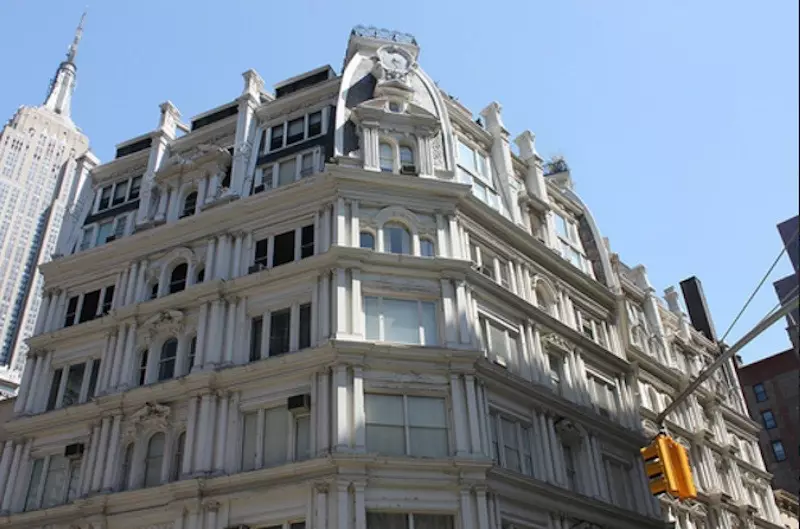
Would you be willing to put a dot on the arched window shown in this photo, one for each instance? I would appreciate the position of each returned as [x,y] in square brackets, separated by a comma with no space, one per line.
[386,158]
[545,301]
[192,353]
[396,238]
[426,248]
[177,279]
[200,276]
[177,460]
[154,291]
[407,165]
[142,367]
[166,364]
[127,465]
[367,240]
[189,204]
[154,460]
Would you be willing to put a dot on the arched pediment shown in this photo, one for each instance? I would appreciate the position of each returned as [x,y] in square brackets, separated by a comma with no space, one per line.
[168,322]
[398,213]
[151,417]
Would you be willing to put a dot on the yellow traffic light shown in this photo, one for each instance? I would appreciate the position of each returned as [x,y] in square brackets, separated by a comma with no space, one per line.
[668,470]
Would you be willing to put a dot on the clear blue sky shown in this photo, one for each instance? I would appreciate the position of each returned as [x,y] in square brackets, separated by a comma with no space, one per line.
[679,119]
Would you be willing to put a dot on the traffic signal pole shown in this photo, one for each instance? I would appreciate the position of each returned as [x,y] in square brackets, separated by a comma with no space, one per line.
[726,354]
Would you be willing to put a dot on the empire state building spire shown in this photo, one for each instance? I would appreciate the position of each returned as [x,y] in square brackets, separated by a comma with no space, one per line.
[59,99]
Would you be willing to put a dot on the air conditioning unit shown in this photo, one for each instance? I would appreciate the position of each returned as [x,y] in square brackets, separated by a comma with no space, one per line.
[111,238]
[299,403]
[74,451]
[408,170]
[255,268]
[258,189]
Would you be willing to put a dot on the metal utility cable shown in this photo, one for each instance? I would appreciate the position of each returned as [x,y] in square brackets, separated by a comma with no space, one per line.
[760,284]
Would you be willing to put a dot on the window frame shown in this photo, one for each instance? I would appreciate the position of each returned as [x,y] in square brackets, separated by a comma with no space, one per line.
[511,360]
[422,336]
[523,432]
[760,396]
[407,443]
[782,449]
[261,433]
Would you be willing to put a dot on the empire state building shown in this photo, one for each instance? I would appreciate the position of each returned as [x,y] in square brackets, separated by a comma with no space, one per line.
[38,147]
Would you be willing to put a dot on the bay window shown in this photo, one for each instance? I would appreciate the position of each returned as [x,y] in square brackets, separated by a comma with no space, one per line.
[285,437]
[400,320]
[403,425]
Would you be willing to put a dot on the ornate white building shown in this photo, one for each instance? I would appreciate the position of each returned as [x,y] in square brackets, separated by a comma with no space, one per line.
[347,304]
[38,146]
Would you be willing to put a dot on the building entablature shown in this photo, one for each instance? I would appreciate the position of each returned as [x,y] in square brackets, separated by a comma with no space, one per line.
[286,107]
[538,493]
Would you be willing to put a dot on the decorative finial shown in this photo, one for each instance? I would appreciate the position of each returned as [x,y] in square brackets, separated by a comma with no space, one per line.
[73,48]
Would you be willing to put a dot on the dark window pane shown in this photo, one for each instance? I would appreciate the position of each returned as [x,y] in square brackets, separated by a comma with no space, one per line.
[136,185]
[279,326]
[276,138]
[192,352]
[166,364]
[261,252]
[315,123]
[296,132]
[51,399]
[367,240]
[284,248]
[72,389]
[143,368]
[305,326]
[108,299]
[154,291]
[93,378]
[177,279]
[189,204]
[105,198]
[255,338]
[201,275]
[72,306]
[120,193]
[307,241]
[89,308]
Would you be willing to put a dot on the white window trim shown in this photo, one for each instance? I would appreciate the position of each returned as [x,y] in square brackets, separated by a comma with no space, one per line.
[291,429]
[497,416]
[273,168]
[396,144]
[406,426]
[266,149]
[41,486]
[298,240]
[294,327]
[510,363]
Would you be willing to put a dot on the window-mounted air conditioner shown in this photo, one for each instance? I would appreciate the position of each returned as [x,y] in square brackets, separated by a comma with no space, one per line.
[299,403]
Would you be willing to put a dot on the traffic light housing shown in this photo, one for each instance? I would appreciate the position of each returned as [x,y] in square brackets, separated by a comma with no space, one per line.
[668,469]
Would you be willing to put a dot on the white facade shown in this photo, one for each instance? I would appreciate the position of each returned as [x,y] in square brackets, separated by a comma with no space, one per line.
[345,305]
[37,148]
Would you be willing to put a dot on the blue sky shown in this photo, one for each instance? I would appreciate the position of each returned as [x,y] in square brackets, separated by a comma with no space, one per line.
[679,119]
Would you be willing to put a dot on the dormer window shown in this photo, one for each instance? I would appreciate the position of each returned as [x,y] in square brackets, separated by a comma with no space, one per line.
[105,198]
[315,124]
[394,106]
[276,137]
[407,165]
[120,193]
[296,131]
[396,158]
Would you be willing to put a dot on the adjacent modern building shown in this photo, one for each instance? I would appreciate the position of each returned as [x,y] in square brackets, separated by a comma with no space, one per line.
[773,396]
[38,147]
[348,303]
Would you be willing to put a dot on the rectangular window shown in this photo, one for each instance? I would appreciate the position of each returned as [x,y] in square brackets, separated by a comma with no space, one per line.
[604,395]
[286,171]
[562,226]
[510,444]
[275,436]
[619,484]
[307,241]
[504,273]
[778,451]
[262,252]
[284,248]
[760,392]
[72,307]
[284,437]
[89,308]
[279,331]
[32,497]
[276,137]
[54,385]
[120,193]
[56,482]
[86,238]
[569,467]
[385,520]
[296,131]
[95,373]
[136,185]
[307,165]
[105,198]
[72,390]
[305,326]
[256,329]
[769,419]
[405,425]
[400,320]
[119,227]
[500,342]
[108,299]
[302,437]
[315,124]
[249,441]
[104,230]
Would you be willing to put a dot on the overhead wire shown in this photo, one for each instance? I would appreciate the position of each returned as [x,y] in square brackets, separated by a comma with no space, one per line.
[758,287]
